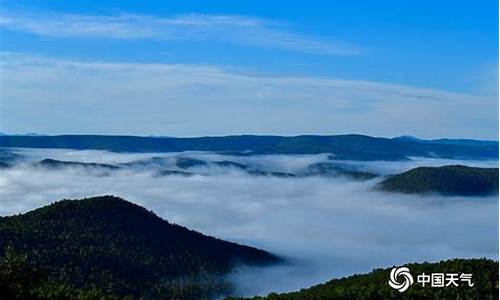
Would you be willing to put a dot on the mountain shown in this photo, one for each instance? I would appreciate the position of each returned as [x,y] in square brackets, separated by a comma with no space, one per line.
[186,163]
[167,167]
[7,156]
[231,164]
[57,164]
[174,172]
[154,161]
[374,285]
[330,169]
[447,180]
[4,165]
[408,138]
[110,246]
[462,142]
[344,147]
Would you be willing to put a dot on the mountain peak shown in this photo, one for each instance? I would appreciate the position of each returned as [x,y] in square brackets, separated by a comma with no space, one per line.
[106,240]
[407,138]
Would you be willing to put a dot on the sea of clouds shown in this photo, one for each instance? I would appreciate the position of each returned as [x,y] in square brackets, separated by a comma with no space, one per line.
[326,227]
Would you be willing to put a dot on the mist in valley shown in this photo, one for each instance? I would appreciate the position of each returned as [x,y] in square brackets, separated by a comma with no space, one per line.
[325,226]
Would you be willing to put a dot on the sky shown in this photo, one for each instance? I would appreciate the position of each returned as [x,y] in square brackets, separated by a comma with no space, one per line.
[195,68]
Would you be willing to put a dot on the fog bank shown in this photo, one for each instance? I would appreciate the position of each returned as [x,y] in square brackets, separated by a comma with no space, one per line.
[327,227]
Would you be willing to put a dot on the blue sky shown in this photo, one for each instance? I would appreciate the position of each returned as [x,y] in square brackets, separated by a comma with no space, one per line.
[427,68]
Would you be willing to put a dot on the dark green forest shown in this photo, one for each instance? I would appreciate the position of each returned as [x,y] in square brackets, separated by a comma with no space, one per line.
[374,285]
[455,180]
[106,246]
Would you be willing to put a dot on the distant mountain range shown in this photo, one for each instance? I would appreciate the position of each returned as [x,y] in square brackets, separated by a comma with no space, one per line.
[60,164]
[186,166]
[343,147]
[107,246]
[453,180]
[450,180]
[447,141]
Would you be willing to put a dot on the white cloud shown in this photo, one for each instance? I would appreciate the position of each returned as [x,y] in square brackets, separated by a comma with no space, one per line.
[63,96]
[333,227]
[227,28]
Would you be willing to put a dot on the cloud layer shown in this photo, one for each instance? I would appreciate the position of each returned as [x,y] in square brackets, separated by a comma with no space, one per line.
[234,29]
[328,227]
[64,96]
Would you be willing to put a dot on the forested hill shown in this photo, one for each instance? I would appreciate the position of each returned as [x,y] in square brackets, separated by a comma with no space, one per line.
[374,285]
[454,180]
[351,147]
[114,247]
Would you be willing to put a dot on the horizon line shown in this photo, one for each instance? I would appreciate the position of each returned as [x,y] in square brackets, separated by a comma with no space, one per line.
[404,136]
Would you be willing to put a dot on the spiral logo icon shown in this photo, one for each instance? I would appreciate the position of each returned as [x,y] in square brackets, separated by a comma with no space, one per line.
[397,273]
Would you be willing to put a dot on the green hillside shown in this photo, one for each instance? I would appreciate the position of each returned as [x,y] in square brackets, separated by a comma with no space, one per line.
[447,180]
[110,246]
[374,285]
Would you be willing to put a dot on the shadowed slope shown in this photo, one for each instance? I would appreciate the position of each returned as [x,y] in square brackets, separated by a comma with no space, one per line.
[447,180]
[111,244]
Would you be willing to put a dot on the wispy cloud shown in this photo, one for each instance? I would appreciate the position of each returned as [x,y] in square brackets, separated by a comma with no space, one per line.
[226,28]
[167,99]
